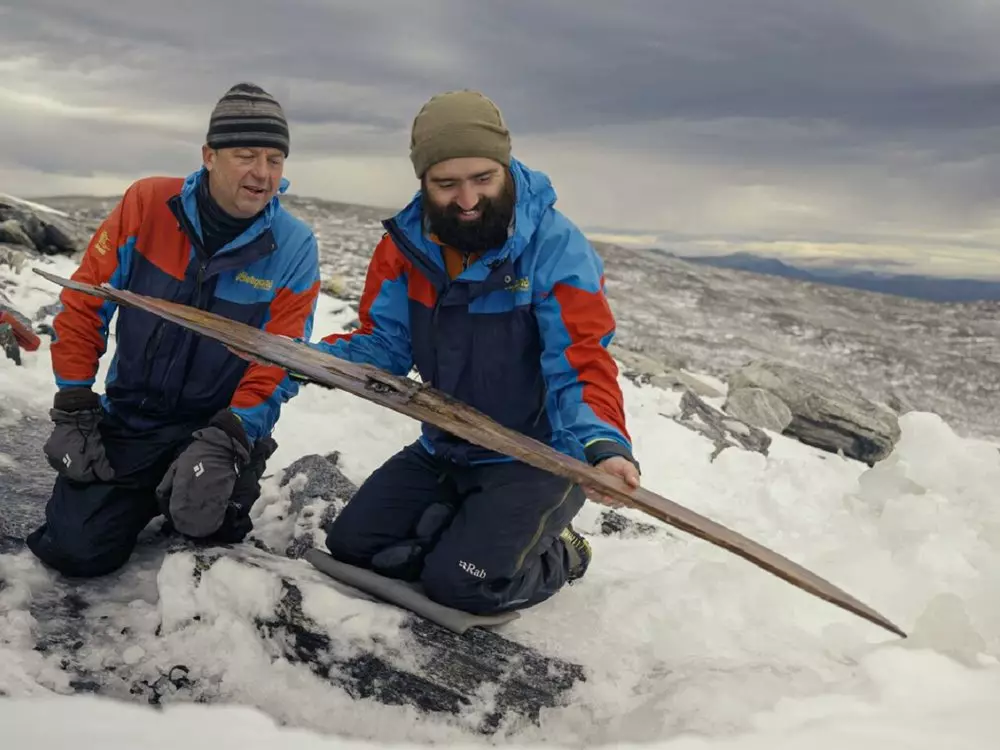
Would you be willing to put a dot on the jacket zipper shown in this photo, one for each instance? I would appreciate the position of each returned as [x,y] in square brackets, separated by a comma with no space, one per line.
[195,301]
[404,244]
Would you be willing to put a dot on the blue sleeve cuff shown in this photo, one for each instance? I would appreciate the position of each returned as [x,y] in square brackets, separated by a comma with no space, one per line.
[599,450]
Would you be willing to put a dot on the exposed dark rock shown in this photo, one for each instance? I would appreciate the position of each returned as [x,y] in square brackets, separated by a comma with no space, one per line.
[38,231]
[759,408]
[723,430]
[479,680]
[826,414]
[613,523]
[12,233]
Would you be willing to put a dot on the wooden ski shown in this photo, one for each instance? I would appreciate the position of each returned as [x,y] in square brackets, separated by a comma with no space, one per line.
[426,404]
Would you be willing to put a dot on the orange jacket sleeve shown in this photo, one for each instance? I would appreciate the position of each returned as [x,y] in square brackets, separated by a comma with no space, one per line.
[81,327]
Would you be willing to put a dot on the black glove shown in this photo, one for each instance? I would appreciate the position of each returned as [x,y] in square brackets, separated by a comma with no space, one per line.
[74,448]
[196,489]
[237,524]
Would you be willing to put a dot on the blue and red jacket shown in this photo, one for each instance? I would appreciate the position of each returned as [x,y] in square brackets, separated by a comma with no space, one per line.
[150,244]
[521,334]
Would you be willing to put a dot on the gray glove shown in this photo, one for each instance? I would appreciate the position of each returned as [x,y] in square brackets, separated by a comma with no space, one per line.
[74,448]
[195,491]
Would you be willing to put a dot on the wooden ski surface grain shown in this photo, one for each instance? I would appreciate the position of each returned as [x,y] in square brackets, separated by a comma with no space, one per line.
[426,404]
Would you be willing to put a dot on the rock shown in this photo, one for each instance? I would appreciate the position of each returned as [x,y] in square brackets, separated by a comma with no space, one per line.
[899,403]
[759,408]
[677,380]
[644,370]
[826,415]
[317,501]
[58,240]
[634,356]
[323,480]
[723,431]
[38,231]
[12,233]
[11,256]
[614,523]
[44,318]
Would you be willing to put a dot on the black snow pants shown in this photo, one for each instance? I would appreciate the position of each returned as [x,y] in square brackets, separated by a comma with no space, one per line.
[483,539]
[91,529]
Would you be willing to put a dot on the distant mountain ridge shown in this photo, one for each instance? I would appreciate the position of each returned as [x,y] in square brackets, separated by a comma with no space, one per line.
[917,286]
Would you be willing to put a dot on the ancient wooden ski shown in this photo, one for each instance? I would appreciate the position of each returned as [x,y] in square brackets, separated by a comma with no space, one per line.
[426,404]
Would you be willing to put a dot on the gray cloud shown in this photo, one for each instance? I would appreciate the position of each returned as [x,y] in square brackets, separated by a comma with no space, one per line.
[880,117]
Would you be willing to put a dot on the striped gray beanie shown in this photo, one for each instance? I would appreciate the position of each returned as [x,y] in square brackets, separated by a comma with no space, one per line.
[247,115]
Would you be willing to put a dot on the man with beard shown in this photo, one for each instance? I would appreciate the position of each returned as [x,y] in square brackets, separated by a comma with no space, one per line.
[183,427]
[498,300]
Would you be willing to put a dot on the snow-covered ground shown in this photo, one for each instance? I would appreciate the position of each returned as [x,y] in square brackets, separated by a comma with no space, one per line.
[685,645]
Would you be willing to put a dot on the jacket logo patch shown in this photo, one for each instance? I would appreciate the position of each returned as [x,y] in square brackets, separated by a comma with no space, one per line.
[103,244]
[519,285]
[253,281]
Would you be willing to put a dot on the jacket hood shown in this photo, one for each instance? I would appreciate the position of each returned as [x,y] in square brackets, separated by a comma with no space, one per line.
[189,192]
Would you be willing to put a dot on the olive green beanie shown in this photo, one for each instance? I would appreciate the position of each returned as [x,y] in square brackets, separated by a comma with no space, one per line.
[457,124]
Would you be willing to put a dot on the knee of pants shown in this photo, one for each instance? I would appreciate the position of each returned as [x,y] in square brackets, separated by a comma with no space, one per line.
[348,543]
[77,555]
[457,584]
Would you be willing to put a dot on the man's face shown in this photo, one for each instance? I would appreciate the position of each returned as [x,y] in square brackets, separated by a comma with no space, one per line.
[243,180]
[469,202]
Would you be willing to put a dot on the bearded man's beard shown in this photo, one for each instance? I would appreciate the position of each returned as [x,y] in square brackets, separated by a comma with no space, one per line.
[487,232]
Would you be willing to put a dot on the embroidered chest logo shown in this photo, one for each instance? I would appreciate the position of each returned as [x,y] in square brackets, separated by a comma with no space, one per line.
[253,281]
[518,285]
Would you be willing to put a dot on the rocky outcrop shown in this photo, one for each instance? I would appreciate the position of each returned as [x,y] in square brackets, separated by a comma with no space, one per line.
[668,375]
[25,228]
[759,408]
[825,414]
[318,491]
[724,431]
[30,230]
[481,681]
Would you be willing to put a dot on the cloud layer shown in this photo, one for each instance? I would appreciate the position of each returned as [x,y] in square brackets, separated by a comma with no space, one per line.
[710,124]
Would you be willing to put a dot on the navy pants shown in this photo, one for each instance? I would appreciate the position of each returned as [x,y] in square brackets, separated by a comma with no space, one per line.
[483,539]
[91,529]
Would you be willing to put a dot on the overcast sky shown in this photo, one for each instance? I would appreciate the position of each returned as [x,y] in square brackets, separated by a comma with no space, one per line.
[834,128]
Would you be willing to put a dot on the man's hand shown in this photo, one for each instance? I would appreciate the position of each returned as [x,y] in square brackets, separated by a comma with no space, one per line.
[620,467]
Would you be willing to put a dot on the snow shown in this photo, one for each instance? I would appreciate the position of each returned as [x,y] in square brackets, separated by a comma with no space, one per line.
[31,205]
[686,645]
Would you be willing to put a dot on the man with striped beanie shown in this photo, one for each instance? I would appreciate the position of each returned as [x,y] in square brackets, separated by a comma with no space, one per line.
[183,428]
[244,152]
